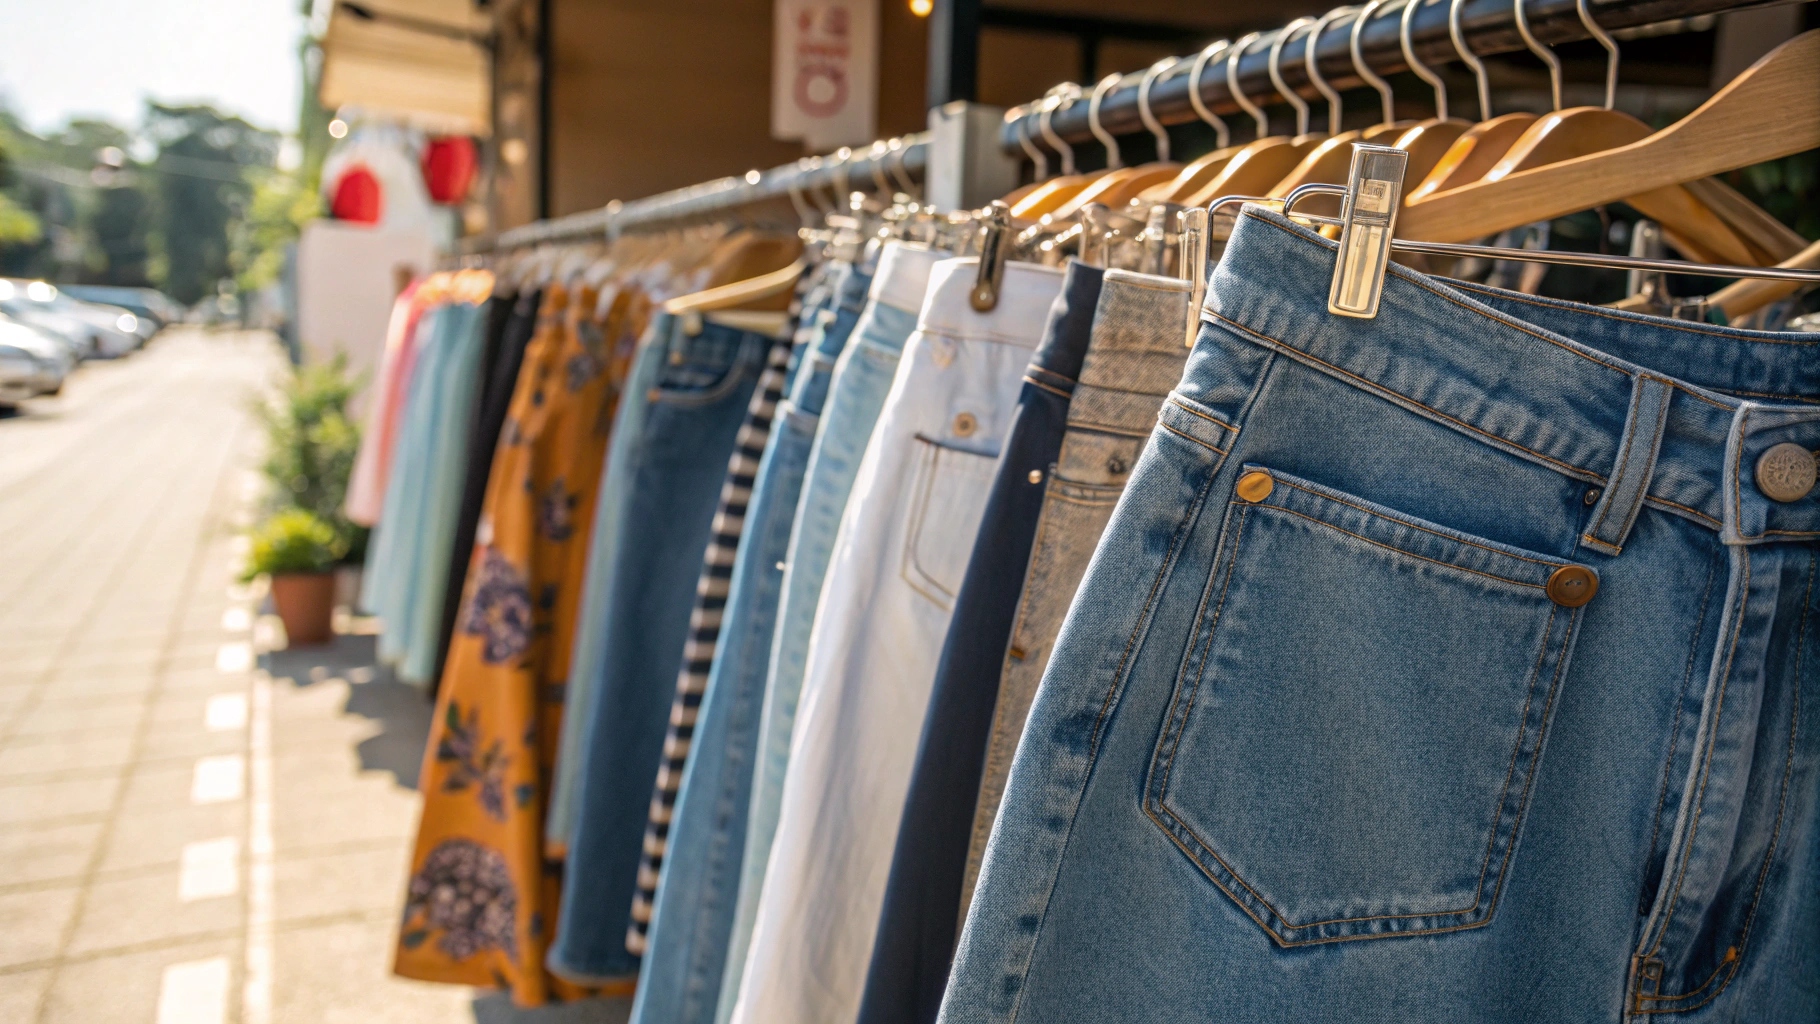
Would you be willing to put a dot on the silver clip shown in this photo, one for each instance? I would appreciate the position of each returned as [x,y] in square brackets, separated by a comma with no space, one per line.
[1194,266]
[1374,191]
[994,229]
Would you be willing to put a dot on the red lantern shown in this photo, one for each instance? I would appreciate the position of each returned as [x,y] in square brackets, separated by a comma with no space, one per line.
[358,197]
[449,164]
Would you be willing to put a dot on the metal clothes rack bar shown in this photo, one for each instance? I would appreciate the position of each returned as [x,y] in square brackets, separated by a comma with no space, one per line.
[1488,26]
[892,163]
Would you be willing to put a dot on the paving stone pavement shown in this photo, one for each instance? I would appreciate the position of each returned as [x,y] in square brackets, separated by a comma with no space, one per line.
[194,828]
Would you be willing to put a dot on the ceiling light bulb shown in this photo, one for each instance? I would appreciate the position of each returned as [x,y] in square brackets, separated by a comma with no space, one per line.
[921,8]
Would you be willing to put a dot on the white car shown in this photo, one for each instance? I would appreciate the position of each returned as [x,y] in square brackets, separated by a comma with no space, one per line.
[112,330]
[31,364]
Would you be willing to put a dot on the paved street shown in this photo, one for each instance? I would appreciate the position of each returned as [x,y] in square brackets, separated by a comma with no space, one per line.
[194,828]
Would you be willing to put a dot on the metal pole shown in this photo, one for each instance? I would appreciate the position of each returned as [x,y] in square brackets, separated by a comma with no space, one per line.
[954,51]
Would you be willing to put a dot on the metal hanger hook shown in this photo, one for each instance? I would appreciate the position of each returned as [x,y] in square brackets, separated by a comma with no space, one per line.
[876,156]
[1611,47]
[1031,150]
[1284,34]
[1156,71]
[1422,70]
[1535,47]
[1107,139]
[1472,59]
[900,173]
[1358,61]
[1060,98]
[1232,82]
[1222,134]
[1312,60]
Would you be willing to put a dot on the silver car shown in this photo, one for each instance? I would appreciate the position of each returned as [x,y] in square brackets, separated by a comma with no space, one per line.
[31,364]
[112,331]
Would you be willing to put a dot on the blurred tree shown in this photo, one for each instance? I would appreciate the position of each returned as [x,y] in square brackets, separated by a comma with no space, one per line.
[202,190]
[121,226]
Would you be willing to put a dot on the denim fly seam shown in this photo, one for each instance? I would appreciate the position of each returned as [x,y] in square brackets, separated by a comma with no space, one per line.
[1134,359]
[680,977]
[856,392]
[1301,720]
[897,566]
[693,415]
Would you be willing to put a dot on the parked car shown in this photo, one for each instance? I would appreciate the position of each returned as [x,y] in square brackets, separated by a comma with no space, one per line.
[31,364]
[145,303]
[76,348]
[113,331]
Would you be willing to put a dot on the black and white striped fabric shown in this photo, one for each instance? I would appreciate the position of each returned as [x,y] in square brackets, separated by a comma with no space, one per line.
[704,631]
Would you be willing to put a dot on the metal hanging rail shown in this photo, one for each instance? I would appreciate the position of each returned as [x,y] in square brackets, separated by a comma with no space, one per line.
[1488,27]
[888,165]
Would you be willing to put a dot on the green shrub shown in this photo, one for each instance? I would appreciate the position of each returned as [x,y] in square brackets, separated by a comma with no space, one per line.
[311,445]
[294,541]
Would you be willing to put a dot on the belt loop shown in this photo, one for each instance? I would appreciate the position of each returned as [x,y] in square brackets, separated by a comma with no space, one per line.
[1629,482]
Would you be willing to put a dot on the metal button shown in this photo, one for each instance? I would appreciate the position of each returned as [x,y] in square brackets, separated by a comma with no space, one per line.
[965,424]
[1572,586]
[1785,472]
[1255,485]
[1116,465]
[1592,495]
[1036,476]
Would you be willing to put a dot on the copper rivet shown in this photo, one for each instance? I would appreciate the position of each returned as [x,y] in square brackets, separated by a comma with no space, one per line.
[1256,485]
[1036,476]
[1572,586]
[965,424]
[1592,495]
[1018,653]
[1786,472]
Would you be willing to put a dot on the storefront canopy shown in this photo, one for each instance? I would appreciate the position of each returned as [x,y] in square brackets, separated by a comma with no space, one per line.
[425,61]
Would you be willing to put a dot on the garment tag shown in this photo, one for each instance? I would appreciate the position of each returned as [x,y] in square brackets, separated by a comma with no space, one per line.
[1374,191]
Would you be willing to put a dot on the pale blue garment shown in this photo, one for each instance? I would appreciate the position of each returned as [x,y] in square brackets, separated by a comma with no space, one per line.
[585,661]
[421,619]
[384,572]
[417,525]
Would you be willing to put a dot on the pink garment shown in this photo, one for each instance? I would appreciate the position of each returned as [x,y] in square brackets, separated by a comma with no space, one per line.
[373,466]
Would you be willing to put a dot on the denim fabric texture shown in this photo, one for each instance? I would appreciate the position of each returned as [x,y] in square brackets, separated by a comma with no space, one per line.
[587,662]
[919,918]
[856,392]
[686,949]
[1316,744]
[1133,361]
[897,566]
[691,419]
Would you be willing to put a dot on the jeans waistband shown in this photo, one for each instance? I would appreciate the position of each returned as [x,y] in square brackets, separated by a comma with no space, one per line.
[1663,412]
[1025,295]
[1136,353]
[1068,329]
[902,277]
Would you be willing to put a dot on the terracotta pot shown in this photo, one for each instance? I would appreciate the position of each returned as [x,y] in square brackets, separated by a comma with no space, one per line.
[306,603]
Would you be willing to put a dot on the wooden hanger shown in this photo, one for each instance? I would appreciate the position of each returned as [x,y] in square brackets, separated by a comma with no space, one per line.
[1481,146]
[1428,141]
[1119,184]
[1766,113]
[1264,162]
[1056,191]
[1201,169]
[1330,161]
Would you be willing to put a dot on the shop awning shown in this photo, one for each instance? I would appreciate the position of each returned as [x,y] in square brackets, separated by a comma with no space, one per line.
[423,61]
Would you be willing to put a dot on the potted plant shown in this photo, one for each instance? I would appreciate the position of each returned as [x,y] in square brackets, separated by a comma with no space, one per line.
[298,551]
[311,445]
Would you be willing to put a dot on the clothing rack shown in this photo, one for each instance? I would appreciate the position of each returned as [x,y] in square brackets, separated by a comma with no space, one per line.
[887,165]
[1488,27]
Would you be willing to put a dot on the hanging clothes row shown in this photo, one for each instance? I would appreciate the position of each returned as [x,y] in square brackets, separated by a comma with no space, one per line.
[1153,597]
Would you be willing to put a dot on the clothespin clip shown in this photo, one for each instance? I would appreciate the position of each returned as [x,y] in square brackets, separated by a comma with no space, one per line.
[1194,265]
[994,232]
[1368,217]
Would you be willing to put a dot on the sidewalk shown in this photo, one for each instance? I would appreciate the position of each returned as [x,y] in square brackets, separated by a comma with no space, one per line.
[192,831]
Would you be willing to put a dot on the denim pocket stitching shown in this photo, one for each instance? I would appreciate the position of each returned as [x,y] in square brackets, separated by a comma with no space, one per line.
[1175,723]
[736,374]
[911,569]
[1190,437]
[1183,404]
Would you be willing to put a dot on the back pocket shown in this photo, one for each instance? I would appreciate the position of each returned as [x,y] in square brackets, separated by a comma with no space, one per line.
[947,498]
[1354,730]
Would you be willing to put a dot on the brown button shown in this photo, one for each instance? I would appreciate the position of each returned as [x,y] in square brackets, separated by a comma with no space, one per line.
[1256,485]
[965,424]
[1572,586]
[1036,476]
[1785,472]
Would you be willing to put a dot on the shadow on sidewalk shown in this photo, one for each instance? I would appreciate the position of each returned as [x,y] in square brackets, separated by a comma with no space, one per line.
[402,711]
